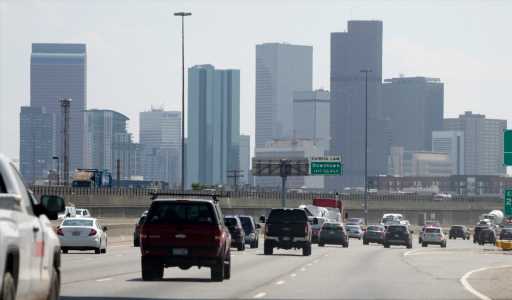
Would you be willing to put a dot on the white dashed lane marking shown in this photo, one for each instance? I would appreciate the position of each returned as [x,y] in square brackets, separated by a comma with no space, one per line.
[260,295]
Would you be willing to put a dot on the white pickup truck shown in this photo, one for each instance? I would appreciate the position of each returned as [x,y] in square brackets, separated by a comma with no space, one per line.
[29,247]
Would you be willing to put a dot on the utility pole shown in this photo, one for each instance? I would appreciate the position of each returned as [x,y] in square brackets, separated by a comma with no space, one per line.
[182,15]
[118,172]
[65,104]
[366,144]
[285,170]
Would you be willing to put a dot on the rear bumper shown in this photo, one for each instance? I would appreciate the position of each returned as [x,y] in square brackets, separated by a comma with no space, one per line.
[397,242]
[196,257]
[327,240]
[284,243]
[86,243]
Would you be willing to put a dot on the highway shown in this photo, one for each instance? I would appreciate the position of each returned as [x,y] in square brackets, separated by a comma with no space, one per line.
[460,271]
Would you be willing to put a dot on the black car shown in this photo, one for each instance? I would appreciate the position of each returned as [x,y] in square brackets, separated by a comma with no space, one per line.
[237,233]
[398,235]
[251,230]
[333,234]
[287,228]
[506,234]
[136,231]
[374,234]
[459,231]
[487,235]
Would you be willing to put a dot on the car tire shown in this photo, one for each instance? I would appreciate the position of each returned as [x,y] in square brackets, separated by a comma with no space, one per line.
[443,245]
[97,251]
[136,242]
[217,271]
[64,250]
[8,287]
[409,246]
[227,266]
[54,285]
[386,245]
[365,242]
[424,245]
[240,247]
[267,248]
[345,245]
[254,244]
[306,251]
[321,244]
[151,269]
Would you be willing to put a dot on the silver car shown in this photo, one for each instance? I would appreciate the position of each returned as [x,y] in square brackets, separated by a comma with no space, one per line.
[354,231]
[82,234]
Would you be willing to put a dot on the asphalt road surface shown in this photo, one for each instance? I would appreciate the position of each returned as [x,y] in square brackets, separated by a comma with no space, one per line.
[463,270]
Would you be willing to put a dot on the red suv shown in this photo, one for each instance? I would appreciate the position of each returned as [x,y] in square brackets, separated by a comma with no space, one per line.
[185,230]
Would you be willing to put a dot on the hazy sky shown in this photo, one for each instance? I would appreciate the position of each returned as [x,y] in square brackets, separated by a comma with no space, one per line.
[133,48]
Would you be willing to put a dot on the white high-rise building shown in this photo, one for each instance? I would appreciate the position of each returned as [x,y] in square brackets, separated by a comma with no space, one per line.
[281,69]
[451,143]
[160,137]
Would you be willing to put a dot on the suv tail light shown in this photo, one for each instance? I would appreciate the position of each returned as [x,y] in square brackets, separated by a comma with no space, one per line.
[92,232]
[218,233]
[306,229]
[60,232]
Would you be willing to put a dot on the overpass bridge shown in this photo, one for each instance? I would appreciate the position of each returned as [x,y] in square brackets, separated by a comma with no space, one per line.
[130,203]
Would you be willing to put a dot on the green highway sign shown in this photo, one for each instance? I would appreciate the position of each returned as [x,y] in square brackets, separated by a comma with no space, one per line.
[326,165]
[507,147]
[508,203]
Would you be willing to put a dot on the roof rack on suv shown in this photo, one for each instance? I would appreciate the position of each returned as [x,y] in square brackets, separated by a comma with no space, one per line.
[155,195]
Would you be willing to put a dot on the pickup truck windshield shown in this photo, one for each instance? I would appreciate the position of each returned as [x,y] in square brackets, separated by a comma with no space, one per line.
[180,213]
[287,216]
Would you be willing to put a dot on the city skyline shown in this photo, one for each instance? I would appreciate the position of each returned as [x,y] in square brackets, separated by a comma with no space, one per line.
[436,52]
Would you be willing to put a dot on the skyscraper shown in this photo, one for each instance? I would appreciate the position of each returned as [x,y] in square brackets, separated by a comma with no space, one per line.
[414,107]
[311,115]
[281,69]
[451,143]
[213,130]
[360,48]
[108,140]
[58,71]
[483,143]
[160,137]
[245,158]
[37,143]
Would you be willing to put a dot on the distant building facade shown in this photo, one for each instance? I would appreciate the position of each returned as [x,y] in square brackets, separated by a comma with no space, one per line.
[360,48]
[483,143]
[405,163]
[213,130]
[451,143]
[160,138]
[281,69]
[311,117]
[58,71]
[108,142]
[414,107]
[245,158]
[37,143]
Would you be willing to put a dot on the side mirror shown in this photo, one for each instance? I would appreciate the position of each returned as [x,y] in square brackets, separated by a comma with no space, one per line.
[315,221]
[262,219]
[104,228]
[52,205]
[258,226]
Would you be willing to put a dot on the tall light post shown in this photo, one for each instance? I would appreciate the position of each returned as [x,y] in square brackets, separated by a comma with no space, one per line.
[182,15]
[58,168]
[366,144]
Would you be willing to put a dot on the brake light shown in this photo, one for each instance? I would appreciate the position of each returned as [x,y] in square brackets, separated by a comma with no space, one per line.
[306,229]
[218,234]
[92,232]
[60,232]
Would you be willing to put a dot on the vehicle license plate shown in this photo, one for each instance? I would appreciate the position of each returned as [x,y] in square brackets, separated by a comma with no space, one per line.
[180,251]
[76,233]
[286,238]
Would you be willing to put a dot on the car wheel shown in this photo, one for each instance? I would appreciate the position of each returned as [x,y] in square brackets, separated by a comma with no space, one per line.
[386,245]
[227,266]
[424,244]
[306,251]
[267,248]
[55,285]
[64,250]
[443,245]
[151,269]
[8,287]
[345,245]
[136,242]
[409,246]
[217,271]
[365,242]
[97,251]
[321,244]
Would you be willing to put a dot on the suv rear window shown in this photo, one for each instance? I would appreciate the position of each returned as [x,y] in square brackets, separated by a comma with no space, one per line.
[375,228]
[287,216]
[176,212]
[433,230]
[397,229]
[246,223]
[230,221]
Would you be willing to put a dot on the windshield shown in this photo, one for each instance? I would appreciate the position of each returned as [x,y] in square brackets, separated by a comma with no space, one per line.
[230,222]
[78,222]
[246,224]
[287,216]
[175,212]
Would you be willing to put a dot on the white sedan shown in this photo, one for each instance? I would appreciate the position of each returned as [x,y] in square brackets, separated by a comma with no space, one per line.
[82,234]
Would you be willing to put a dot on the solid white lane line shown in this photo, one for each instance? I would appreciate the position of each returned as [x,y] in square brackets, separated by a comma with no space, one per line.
[104,279]
[280,282]
[469,288]
[260,295]
[411,252]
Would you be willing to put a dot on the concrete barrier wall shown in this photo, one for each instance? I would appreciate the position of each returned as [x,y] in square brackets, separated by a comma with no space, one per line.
[130,203]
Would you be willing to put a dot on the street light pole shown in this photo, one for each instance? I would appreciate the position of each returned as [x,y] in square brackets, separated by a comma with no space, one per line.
[58,168]
[182,15]
[366,144]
